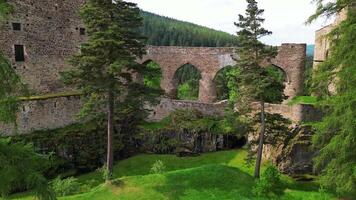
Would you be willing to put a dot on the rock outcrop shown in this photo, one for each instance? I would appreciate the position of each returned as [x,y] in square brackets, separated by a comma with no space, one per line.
[296,156]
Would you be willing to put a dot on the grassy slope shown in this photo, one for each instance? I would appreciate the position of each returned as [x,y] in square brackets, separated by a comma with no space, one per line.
[221,175]
[308,100]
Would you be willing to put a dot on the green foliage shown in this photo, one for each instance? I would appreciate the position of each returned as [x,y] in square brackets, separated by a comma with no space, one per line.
[164,31]
[5,10]
[336,133]
[21,168]
[254,81]
[158,167]
[153,79]
[82,145]
[188,90]
[270,184]
[160,137]
[308,75]
[65,187]
[219,175]
[187,78]
[328,8]
[221,81]
[11,87]
[309,100]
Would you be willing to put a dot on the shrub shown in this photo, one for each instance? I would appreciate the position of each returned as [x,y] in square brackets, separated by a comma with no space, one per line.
[158,167]
[22,169]
[65,187]
[269,184]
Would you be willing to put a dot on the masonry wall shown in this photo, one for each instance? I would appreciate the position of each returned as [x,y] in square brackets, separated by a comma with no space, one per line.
[51,31]
[209,61]
[322,44]
[44,114]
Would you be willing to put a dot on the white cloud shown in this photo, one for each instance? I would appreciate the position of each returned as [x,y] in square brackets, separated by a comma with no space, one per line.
[284,17]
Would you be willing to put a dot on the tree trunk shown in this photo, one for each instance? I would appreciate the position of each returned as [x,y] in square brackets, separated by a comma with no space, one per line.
[260,145]
[110,154]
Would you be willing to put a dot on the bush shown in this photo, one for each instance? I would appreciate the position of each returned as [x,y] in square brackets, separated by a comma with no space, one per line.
[65,187]
[158,167]
[23,169]
[269,184]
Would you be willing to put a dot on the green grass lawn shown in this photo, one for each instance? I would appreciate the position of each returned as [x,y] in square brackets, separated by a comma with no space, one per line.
[220,175]
[308,100]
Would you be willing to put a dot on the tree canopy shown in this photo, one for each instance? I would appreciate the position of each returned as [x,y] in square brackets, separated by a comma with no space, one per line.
[164,31]
[336,133]
[104,68]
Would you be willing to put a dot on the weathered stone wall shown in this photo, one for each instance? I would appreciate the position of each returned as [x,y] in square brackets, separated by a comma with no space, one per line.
[44,114]
[167,106]
[296,113]
[50,32]
[322,44]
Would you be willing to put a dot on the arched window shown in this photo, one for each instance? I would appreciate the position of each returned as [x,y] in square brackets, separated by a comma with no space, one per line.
[187,79]
[221,81]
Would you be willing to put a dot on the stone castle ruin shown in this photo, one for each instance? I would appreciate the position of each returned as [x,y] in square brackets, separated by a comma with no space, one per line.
[43,34]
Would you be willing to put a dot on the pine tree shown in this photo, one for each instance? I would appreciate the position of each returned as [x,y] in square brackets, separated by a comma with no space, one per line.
[336,133]
[255,83]
[103,68]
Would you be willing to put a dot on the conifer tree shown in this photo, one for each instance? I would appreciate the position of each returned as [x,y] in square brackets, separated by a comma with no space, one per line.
[335,137]
[103,68]
[255,83]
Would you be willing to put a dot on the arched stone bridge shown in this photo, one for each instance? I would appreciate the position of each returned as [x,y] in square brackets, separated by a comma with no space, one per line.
[209,60]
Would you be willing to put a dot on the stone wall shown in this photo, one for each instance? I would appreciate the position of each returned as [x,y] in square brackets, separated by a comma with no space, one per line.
[209,61]
[44,114]
[296,113]
[51,31]
[167,106]
[322,44]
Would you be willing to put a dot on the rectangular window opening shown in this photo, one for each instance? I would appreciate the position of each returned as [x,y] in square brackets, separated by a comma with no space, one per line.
[16,26]
[19,53]
[82,31]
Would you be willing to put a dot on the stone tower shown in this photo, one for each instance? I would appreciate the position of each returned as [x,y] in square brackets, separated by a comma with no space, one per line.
[38,39]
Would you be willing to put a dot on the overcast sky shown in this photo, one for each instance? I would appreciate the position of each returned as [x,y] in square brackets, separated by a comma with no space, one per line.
[284,17]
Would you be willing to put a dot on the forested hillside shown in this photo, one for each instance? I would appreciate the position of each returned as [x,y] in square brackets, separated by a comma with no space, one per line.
[164,31]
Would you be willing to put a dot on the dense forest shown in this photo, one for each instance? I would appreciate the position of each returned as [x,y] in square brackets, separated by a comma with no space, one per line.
[164,31]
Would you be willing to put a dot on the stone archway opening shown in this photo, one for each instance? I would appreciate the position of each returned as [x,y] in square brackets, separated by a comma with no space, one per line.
[151,79]
[278,73]
[234,141]
[221,81]
[187,79]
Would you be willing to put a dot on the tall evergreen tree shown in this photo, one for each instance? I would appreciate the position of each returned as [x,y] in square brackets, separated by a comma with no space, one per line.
[336,133]
[255,83]
[104,67]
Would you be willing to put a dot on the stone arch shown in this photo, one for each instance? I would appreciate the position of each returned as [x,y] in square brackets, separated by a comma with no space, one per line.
[220,83]
[287,79]
[186,82]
